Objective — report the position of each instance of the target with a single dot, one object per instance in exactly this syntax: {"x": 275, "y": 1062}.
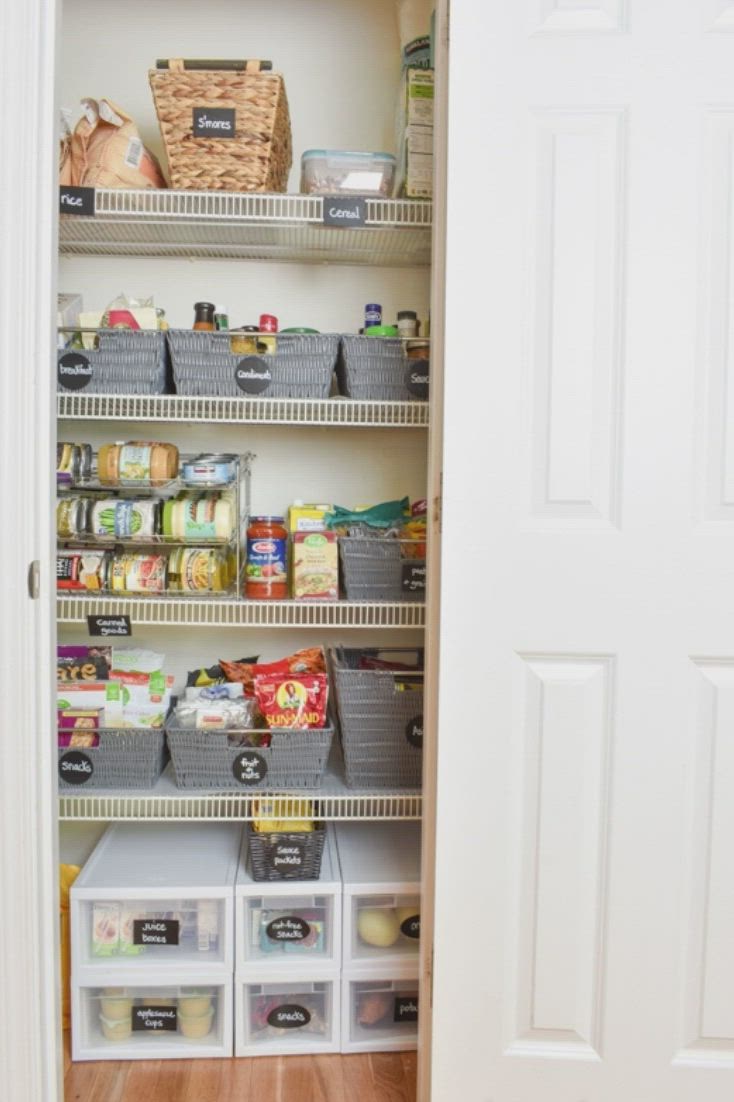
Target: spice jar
{"x": 204, "y": 315}
{"x": 407, "y": 323}
{"x": 265, "y": 570}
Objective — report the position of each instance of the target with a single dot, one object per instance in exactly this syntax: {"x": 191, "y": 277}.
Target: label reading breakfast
{"x": 411, "y": 926}
{"x": 75, "y": 767}
{"x": 417, "y": 378}
{"x": 406, "y": 1009}
{"x": 289, "y": 1016}
{"x": 109, "y": 625}
{"x": 344, "y": 211}
{"x": 414, "y": 732}
{"x": 154, "y": 1019}
{"x": 287, "y": 856}
{"x": 414, "y": 577}
{"x": 73, "y": 371}
{"x": 155, "y": 931}
{"x": 249, "y": 767}
{"x": 253, "y": 375}
{"x": 77, "y": 200}
{"x": 288, "y": 928}
{"x": 214, "y": 122}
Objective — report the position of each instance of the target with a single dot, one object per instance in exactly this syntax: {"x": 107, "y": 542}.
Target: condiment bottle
{"x": 221, "y": 318}
{"x": 267, "y": 554}
{"x": 372, "y": 314}
{"x": 204, "y": 315}
{"x": 268, "y": 324}
{"x": 407, "y": 323}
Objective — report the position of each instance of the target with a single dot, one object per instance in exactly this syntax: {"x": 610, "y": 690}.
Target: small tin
{"x": 71, "y": 516}
{"x": 372, "y": 314}
{"x": 124, "y": 518}
{"x": 139, "y": 573}
{"x": 209, "y": 469}
{"x": 82, "y": 570}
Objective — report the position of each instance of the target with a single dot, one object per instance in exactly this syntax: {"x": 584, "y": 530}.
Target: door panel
{"x": 585, "y": 773}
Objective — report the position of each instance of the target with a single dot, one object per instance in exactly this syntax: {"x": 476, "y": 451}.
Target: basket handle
{"x": 246, "y": 65}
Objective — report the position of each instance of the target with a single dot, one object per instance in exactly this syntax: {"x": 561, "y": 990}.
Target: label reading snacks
{"x": 414, "y": 577}
{"x": 249, "y": 767}
{"x": 76, "y": 767}
{"x": 344, "y": 212}
{"x": 109, "y": 625}
{"x": 414, "y": 732}
{"x": 289, "y": 1016}
{"x": 214, "y": 122}
{"x": 406, "y": 1009}
{"x": 154, "y": 1019}
{"x": 155, "y": 931}
{"x": 417, "y": 378}
{"x": 73, "y": 371}
{"x": 288, "y": 928}
{"x": 77, "y": 200}
{"x": 253, "y": 375}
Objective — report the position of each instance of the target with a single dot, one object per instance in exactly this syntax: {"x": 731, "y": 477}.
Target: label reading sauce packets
{"x": 411, "y": 927}
{"x": 109, "y": 625}
{"x": 249, "y": 767}
{"x": 345, "y": 211}
{"x": 406, "y": 1009}
{"x": 414, "y": 577}
{"x": 287, "y": 857}
{"x": 77, "y": 200}
{"x": 73, "y": 371}
{"x": 154, "y": 1019}
{"x": 417, "y": 378}
{"x": 253, "y": 375}
{"x": 288, "y": 928}
{"x": 214, "y": 122}
{"x": 289, "y": 1016}
{"x": 155, "y": 931}
{"x": 75, "y": 767}
{"x": 414, "y": 732}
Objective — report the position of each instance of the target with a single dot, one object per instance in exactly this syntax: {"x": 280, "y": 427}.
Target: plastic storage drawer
{"x": 154, "y": 1019}
{"x": 286, "y": 1018}
{"x": 379, "y": 1013}
{"x": 380, "y": 864}
{"x": 282, "y": 925}
{"x": 157, "y": 897}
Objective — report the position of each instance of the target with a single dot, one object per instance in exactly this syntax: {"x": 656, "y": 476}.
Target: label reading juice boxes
{"x": 315, "y": 566}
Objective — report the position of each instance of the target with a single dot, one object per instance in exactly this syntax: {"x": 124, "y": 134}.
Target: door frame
{"x": 30, "y": 1052}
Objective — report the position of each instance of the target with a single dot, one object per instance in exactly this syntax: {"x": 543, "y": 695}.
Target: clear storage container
{"x": 296, "y": 1016}
{"x": 340, "y": 172}
{"x": 379, "y": 1014}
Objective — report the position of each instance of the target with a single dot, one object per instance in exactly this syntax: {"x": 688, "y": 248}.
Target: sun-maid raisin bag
{"x": 293, "y": 701}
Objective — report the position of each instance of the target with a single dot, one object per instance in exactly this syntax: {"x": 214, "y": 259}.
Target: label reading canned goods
{"x": 73, "y": 371}
{"x": 253, "y": 375}
{"x": 266, "y": 560}
{"x": 109, "y": 625}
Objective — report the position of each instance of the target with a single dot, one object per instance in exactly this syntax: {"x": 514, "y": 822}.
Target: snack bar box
{"x": 157, "y": 897}
{"x": 380, "y": 865}
{"x": 289, "y": 925}
{"x": 380, "y": 1009}
{"x": 287, "y": 1015}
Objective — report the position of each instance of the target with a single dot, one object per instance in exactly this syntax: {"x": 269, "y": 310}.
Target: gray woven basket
{"x": 291, "y": 855}
{"x": 125, "y": 758}
{"x": 381, "y": 724}
{"x": 125, "y": 362}
{"x": 376, "y": 568}
{"x": 301, "y": 367}
{"x": 377, "y": 369}
{"x": 206, "y": 759}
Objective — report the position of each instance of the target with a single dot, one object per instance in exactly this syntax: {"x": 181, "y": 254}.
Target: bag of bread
{"x": 106, "y": 151}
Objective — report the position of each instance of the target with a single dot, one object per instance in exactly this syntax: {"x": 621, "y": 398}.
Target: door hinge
{"x": 34, "y": 580}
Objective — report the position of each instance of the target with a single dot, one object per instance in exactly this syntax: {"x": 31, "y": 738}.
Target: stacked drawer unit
{"x": 152, "y": 926}
{"x": 288, "y": 949}
{"x": 380, "y": 869}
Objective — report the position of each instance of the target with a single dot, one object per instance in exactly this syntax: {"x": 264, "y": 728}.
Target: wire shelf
{"x": 130, "y": 222}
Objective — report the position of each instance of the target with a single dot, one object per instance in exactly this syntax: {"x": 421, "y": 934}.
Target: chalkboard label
{"x": 77, "y": 200}
{"x": 414, "y": 577}
{"x": 73, "y": 371}
{"x": 253, "y": 375}
{"x": 75, "y": 767}
{"x": 417, "y": 378}
{"x": 249, "y": 767}
{"x": 287, "y": 857}
{"x": 109, "y": 625}
{"x": 289, "y": 1016}
{"x": 214, "y": 122}
{"x": 155, "y": 1019}
{"x": 411, "y": 927}
{"x": 345, "y": 211}
{"x": 288, "y": 928}
{"x": 155, "y": 931}
{"x": 406, "y": 1009}
{"x": 414, "y": 732}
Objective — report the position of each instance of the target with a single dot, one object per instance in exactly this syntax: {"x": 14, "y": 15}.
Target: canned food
{"x": 139, "y": 573}
{"x": 198, "y": 570}
{"x": 206, "y": 469}
{"x": 82, "y": 570}
{"x": 71, "y": 517}
{"x": 120, "y": 518}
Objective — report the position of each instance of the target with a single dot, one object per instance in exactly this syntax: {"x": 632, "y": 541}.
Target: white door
{"x": 584, "y": 928}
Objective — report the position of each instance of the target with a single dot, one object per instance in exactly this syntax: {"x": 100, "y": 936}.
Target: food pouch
{"x": 105, "y": 929}
{"x": 293, "y": 701}
{"x": 310, "y": 660}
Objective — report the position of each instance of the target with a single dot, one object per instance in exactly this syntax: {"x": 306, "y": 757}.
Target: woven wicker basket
{"x": 257, "y": 158}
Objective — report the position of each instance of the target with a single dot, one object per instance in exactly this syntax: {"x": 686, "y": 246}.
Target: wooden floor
{"x": 378, "y": 1077}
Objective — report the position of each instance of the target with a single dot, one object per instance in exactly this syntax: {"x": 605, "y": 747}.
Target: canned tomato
{"x": 82, "y": 570}
{"x": 206, "y": 469}
{"x": 120, "y": 518}
{"x": 139, "y": 573}
{"x": 265, "y": 570}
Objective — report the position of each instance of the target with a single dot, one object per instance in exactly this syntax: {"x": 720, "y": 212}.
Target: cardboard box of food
{"x": 315, "y": 566}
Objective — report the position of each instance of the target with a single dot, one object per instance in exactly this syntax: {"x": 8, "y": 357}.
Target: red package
{"x": 293, "y": 701}
{"x": 310, "y": 660}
